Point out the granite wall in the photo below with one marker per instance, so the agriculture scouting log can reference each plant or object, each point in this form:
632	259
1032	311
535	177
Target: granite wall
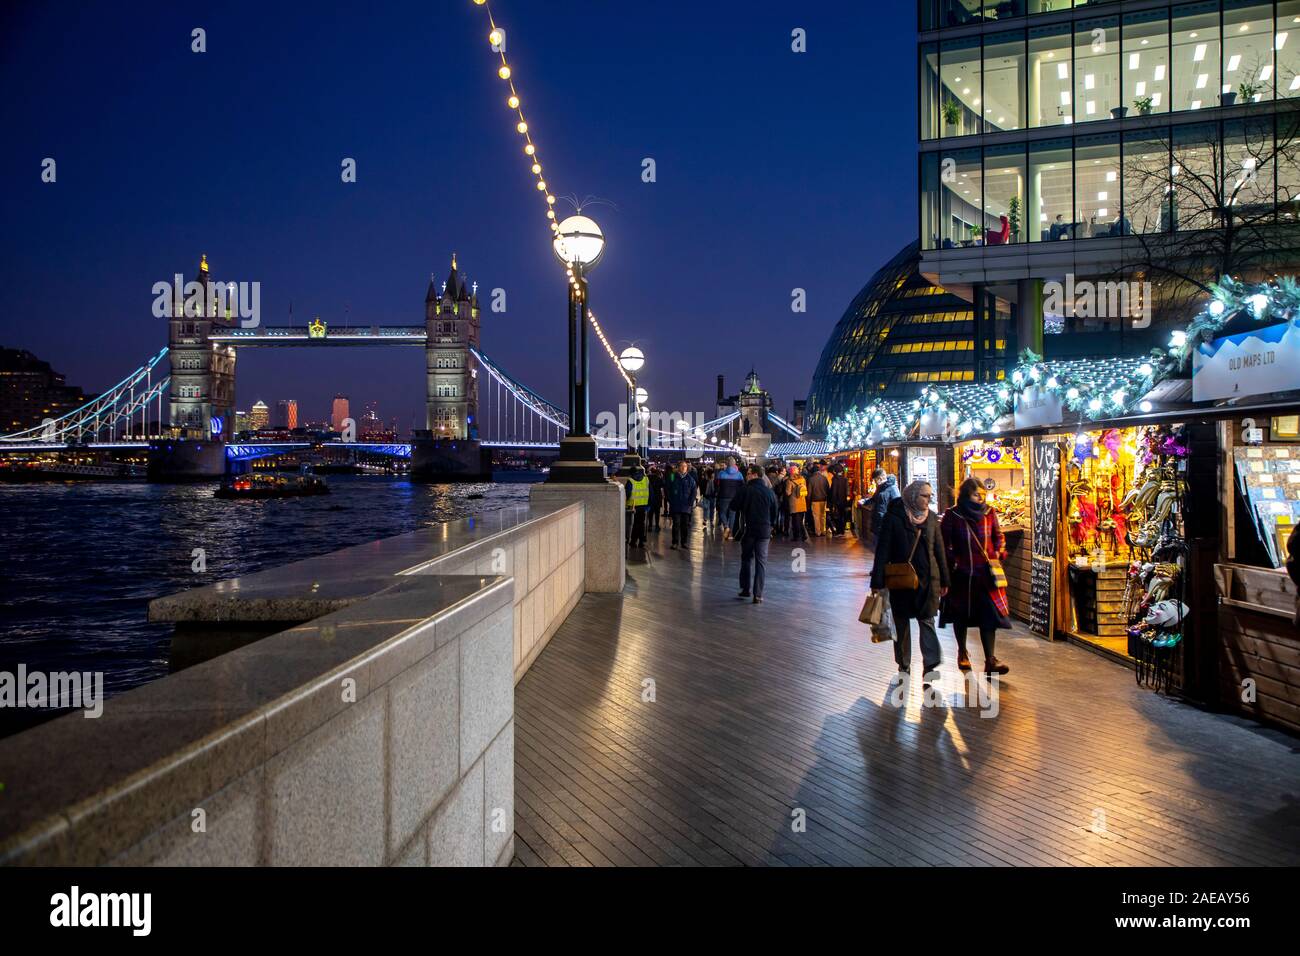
377	733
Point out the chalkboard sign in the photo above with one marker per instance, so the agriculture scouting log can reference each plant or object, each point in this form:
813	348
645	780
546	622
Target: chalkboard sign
1047	496
1041	582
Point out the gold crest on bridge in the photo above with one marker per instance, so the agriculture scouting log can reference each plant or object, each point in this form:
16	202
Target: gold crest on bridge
316	328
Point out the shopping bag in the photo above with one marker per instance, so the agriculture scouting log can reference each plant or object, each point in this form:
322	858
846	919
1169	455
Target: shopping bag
872	608
884	630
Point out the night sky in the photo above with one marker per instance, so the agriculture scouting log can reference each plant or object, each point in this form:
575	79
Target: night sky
775	170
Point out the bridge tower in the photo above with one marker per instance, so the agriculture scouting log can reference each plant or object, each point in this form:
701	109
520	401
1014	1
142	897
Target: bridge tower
203	375
202	391
448	448
452	328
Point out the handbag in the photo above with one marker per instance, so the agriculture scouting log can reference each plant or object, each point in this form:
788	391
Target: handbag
996	571
873	608
900	575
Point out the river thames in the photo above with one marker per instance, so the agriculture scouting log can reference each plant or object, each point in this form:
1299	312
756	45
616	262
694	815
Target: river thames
80	561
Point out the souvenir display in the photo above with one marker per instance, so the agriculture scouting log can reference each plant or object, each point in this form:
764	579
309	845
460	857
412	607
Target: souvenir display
1002	467
1157	575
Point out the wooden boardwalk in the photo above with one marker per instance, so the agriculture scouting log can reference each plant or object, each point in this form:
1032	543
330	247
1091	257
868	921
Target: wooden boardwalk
767	715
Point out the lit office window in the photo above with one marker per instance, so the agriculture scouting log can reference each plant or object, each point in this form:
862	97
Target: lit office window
1004	81
1144	62
959	65
1286	48
1195	53
1287	153
1051	191
1248	169
1194	171
1097	187
961	176
1146	181
1049	6
1051	91
1003	9
1096	68
1248	50
1004	194
930	89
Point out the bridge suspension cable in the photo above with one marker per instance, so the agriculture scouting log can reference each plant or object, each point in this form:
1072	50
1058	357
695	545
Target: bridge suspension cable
122	412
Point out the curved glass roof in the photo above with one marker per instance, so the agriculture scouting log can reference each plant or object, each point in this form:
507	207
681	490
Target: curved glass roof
899	333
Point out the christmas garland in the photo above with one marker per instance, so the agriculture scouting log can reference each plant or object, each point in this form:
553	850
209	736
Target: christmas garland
1094	389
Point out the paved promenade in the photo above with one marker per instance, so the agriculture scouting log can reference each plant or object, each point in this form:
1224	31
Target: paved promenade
768	716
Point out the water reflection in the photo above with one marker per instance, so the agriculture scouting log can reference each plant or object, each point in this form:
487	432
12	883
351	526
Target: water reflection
79	562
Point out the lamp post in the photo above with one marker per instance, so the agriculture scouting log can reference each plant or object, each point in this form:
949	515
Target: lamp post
579	245
631	359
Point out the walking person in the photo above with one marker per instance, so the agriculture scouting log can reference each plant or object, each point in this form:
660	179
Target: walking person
757	511
886	491
840	501
909	535
972	541
708	496
780	487
637	489
819	495
681	501
655	505
730	481
797	496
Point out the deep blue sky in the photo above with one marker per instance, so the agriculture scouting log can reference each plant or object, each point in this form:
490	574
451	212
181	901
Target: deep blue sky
775	170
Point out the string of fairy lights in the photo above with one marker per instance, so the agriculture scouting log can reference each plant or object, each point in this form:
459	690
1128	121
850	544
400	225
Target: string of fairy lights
496	38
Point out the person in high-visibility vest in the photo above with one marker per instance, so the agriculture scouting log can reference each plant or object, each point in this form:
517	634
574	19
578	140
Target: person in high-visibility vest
637	491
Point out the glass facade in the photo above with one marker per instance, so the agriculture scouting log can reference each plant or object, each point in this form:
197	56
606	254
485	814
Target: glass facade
898	331
1102	185
1183	57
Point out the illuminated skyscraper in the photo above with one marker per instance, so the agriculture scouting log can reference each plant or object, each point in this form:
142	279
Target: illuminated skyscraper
339	412
288	413
260	416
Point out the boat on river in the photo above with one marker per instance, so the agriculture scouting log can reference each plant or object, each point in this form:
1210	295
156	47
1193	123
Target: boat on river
260	487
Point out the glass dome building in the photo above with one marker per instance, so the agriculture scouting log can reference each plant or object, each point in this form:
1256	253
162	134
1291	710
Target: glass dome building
899	333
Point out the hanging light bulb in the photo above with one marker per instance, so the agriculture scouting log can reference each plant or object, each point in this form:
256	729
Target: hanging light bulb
513	102
1216	308
537	168
530	149
521	126
504	72
495	38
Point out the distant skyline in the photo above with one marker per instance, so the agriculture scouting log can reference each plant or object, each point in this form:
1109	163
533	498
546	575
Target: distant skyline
775	171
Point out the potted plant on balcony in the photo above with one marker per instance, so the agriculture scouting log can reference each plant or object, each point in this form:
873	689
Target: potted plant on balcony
1119	112
1143	105
1248	91
951	113
1013	217
1227	99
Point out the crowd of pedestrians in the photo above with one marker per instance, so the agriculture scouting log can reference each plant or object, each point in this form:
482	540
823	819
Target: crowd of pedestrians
947	567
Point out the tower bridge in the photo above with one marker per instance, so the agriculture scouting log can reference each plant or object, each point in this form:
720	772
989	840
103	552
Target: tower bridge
472	404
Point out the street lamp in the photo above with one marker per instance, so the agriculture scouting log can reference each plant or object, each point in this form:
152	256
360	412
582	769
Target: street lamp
632	359
578	245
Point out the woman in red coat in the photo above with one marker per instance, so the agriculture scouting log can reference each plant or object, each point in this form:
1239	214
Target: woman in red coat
971	537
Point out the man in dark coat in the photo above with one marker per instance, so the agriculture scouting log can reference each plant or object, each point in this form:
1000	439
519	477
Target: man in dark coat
886	491
839	502
656	505
910	533
757	511
681	503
